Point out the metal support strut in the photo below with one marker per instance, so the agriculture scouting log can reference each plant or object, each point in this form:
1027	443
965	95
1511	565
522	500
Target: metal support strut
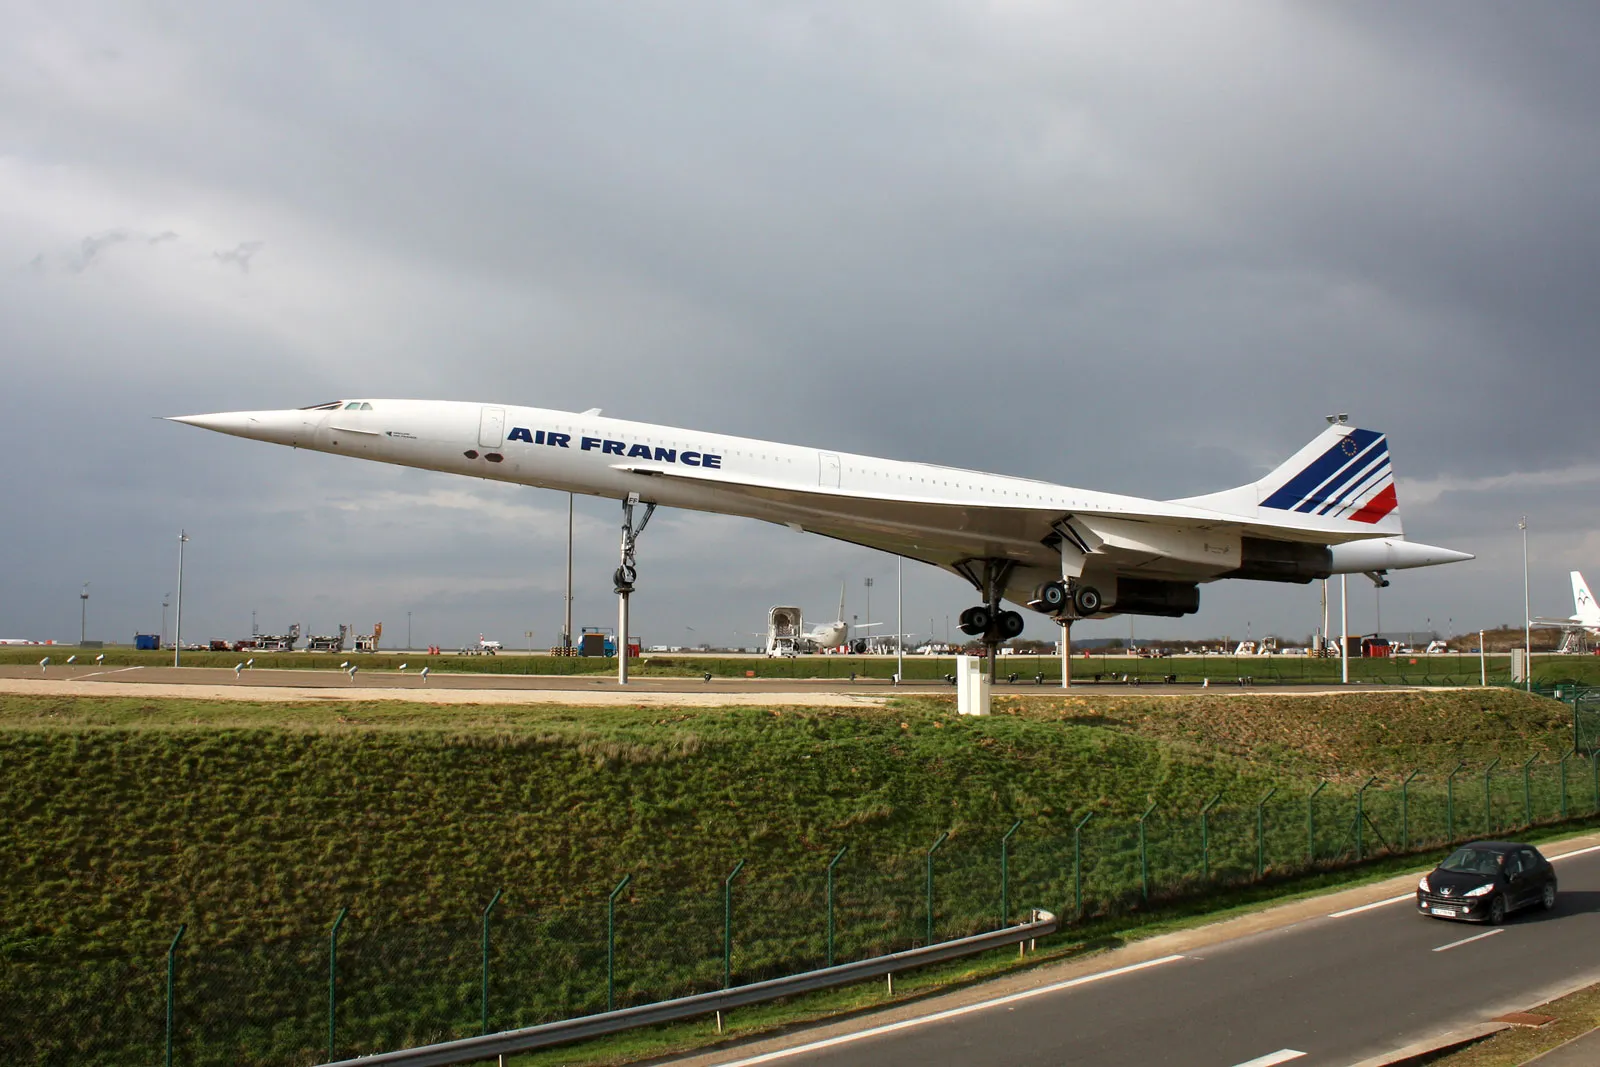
626	574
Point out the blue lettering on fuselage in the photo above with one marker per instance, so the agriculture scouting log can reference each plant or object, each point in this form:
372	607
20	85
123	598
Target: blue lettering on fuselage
608	447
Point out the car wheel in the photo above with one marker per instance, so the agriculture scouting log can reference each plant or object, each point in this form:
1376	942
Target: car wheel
1497	911
1548	900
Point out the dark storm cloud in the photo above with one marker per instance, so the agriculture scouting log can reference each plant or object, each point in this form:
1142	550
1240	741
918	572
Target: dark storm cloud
1131	248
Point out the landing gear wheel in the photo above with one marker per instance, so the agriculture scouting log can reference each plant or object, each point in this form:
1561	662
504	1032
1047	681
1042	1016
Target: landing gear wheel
1497	911
975	621
1548	900
1086	600
1050	598
1008	624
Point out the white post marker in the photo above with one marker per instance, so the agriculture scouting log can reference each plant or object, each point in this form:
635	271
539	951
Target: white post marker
1344	629
1483	662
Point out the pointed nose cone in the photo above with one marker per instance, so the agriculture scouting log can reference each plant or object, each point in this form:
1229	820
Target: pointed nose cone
278	427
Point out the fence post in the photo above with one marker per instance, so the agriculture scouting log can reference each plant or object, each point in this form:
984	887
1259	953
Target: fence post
611	942
172	962
1488	810
1261	823
1594	771
484	1001
1564	759
1205	838
1311	823
333	975
1144	858
1527	792
1405	810
1005	874
727	925
934	848
1077	866
1361	816
1450	803
831	865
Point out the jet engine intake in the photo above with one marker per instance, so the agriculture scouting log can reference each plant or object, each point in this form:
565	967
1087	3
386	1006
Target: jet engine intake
1149	596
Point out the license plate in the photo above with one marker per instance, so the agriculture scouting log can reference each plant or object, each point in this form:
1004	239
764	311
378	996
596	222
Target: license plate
1449	913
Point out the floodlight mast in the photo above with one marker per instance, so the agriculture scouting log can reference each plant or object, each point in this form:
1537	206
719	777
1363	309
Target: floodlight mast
1527	611
177	624
83	615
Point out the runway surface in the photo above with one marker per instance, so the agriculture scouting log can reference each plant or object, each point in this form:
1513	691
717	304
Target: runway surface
333	684
1342	986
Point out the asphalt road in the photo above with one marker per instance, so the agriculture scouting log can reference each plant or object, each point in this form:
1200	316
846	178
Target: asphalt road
1332	990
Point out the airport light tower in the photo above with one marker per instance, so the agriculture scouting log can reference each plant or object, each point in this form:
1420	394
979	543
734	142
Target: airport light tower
1527	611
177	625
83	614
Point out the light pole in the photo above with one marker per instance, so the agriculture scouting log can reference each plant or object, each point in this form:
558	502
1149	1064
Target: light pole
899	622
408	631
166	598
869	610
177	623
83	614
566	625
1527	613
1344	629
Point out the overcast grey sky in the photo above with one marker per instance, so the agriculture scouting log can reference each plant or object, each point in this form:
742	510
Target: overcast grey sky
1142	248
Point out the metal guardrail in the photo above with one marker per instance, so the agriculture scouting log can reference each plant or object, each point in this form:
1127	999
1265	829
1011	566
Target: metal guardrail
488	1046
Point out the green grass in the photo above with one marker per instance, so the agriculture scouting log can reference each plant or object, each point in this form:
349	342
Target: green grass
1220	670
254	823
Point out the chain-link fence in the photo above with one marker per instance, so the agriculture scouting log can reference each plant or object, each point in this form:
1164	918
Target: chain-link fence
373	986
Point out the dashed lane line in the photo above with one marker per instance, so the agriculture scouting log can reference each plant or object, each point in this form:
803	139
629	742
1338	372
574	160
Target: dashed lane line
1468	940
1283	1055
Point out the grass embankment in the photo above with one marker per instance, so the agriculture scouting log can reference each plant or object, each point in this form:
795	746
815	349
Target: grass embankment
1220	670
255	823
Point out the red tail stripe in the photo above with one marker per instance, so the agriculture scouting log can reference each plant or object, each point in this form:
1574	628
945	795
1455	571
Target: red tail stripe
1378	506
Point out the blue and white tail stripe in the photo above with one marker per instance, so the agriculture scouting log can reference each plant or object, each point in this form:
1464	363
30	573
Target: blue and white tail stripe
1351	479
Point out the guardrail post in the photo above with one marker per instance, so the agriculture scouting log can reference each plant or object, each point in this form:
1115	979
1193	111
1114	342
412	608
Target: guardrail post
934	848
1527	792
1261	825
1564	759
1311	822
1144	858
611	942
727	924
1450	803
1405	810
1205	837
333	979
484	1001
172	964
1361	816
1488	810
831	865
1005	874
1077	866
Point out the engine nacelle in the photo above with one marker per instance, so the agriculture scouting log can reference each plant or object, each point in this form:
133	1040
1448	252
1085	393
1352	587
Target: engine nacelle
1265	560
1148	596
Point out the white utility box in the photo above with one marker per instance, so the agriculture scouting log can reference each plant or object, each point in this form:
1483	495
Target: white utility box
972	685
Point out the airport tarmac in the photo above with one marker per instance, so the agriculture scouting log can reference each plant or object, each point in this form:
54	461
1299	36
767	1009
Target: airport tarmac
220	683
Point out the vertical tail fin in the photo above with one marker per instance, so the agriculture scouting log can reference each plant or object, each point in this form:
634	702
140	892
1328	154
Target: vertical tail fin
1343	476
1588	612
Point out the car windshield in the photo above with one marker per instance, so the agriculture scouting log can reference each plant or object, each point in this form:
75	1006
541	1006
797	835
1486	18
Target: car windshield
1473	861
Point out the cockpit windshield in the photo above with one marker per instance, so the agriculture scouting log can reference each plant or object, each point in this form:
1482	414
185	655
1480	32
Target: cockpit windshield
358	405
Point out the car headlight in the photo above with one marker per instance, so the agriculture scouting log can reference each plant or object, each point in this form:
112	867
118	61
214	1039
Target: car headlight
1481	891
1424	886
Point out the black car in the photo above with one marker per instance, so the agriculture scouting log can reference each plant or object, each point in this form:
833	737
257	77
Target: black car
1487	880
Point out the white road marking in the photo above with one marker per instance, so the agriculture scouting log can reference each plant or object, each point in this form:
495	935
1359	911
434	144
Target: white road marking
1575	852
1283	1055
844	1039
1468	940
96	674
1375	904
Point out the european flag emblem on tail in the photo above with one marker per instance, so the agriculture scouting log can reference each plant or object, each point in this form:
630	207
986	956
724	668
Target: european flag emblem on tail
1351	480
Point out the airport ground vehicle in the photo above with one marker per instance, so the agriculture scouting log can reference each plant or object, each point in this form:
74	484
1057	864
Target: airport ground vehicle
1484	881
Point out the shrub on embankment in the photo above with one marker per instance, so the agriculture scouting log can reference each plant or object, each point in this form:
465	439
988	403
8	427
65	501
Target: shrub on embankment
254	823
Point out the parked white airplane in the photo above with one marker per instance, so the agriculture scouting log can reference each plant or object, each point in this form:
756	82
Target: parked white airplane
1067	552
1586	617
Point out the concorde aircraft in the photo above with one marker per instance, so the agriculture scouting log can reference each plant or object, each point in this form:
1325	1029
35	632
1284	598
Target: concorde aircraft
1068	553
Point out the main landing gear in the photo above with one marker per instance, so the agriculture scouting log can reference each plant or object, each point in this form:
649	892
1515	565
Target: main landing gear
989	620
1059	599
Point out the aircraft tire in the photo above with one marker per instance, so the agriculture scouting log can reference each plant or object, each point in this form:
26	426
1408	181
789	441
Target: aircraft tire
1050	598
1086	599
975	621
1009	624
